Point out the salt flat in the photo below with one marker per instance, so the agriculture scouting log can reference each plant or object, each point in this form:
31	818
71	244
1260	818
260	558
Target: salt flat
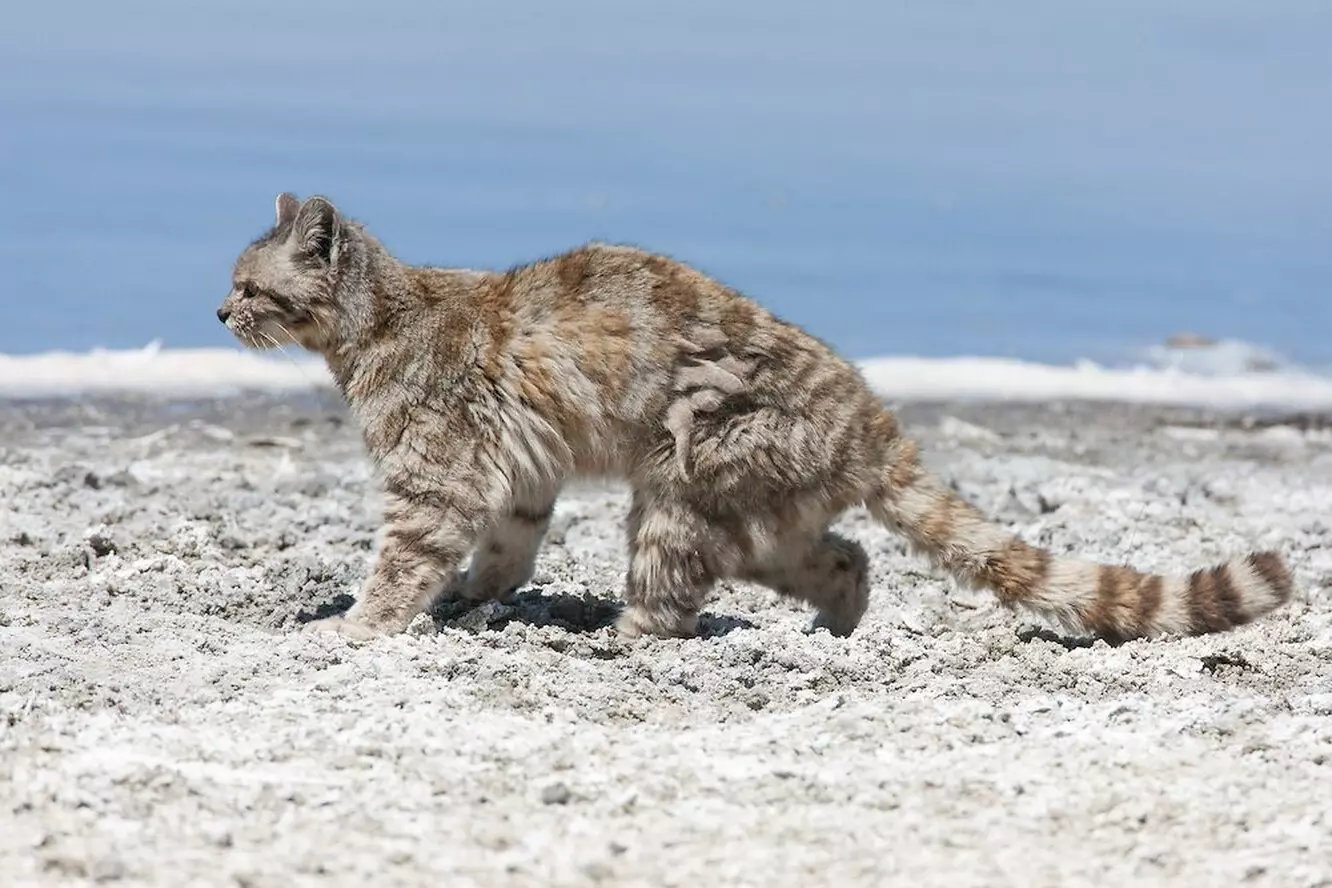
162	722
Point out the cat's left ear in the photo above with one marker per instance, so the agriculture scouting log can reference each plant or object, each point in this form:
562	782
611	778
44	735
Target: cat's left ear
316	229
287	207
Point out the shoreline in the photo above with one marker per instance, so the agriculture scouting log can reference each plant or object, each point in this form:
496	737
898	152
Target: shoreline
1223	378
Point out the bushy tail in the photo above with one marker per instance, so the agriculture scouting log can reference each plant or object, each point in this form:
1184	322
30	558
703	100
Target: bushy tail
1112	602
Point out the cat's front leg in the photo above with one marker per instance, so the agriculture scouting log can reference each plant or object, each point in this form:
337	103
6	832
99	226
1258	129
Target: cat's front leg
428	531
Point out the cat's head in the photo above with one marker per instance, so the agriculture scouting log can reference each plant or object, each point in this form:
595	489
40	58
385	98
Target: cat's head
284	286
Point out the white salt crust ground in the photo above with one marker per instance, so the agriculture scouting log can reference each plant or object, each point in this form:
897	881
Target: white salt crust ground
161	722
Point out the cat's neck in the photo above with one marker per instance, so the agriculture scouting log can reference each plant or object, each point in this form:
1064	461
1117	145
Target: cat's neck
383	299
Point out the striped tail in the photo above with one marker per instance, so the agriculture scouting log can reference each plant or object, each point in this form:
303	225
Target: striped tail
1112	602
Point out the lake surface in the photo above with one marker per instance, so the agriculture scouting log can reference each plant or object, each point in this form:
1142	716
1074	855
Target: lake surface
1037	178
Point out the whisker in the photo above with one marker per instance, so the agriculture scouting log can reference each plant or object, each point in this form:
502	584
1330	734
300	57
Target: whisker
281	347
319	322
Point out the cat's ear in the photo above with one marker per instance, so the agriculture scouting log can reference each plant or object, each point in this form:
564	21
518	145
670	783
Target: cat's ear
316	229
287	207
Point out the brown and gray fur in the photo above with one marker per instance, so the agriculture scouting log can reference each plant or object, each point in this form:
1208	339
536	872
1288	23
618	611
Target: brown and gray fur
479	394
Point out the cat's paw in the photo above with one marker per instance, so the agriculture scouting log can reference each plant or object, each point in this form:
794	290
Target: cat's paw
466	586
352	629
639	622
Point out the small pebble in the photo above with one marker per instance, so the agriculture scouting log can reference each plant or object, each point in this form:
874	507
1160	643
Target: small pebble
556	794
101	543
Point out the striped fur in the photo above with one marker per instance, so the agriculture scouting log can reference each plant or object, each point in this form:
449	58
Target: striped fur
479	394
1109	601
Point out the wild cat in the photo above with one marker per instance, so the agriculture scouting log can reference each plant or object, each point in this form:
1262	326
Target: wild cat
479	394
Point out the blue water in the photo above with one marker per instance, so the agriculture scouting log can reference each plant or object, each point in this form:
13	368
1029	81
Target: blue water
1036	178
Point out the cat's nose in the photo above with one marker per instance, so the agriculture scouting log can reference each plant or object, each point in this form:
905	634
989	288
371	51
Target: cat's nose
223	314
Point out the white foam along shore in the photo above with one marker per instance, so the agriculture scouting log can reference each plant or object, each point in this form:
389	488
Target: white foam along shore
221	371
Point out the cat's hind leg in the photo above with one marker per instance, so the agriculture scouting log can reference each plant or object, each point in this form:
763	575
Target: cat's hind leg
829	571
676	555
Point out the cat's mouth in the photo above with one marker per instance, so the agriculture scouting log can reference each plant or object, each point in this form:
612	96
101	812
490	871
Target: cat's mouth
259	333
262	327
271	333
276	334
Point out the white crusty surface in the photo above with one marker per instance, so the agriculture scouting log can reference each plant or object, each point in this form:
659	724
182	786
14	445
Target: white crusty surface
162	724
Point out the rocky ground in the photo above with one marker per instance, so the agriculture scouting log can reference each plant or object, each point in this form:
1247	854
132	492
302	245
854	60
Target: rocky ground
162	723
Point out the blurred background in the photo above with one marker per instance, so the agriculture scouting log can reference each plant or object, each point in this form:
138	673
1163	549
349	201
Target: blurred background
1042	179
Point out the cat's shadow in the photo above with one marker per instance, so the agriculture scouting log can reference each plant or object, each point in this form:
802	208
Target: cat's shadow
335	607
582	614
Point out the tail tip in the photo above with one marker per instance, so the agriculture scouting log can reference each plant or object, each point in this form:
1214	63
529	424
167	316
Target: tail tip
1272	569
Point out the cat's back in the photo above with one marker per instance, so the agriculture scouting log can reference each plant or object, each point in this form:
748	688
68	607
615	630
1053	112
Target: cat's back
604	297
619	277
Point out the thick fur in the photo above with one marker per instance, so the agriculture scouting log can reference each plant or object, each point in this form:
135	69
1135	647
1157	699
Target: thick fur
479	394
